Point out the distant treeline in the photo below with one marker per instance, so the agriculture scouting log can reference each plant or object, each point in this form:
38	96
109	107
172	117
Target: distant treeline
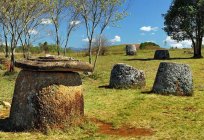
40	48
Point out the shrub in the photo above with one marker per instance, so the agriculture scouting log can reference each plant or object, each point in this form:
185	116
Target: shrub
149	45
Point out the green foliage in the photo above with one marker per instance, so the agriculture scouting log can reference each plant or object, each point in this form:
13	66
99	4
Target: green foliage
185	20
149	45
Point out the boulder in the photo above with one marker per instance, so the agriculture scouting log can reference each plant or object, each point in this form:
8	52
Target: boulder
173	78
161	54
131	50
125	76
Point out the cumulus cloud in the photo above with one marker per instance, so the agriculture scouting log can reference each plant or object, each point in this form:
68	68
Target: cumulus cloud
75	22
46	21
33	32
175	44
116	39
148	28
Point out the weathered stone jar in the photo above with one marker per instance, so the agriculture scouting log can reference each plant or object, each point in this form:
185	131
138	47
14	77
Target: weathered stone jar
48	93
174	79
125	76
161	54
131	50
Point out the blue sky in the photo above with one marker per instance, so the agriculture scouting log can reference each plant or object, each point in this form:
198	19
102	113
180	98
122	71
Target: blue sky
144	23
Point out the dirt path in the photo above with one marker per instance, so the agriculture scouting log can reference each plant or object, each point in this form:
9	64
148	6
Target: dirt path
125	131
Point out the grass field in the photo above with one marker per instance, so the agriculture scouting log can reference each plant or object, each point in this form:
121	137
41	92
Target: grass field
169	117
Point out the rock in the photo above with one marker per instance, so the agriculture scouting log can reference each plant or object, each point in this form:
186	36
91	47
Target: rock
37	102
161	54
125	76
1	106
131	50
173	78
5	104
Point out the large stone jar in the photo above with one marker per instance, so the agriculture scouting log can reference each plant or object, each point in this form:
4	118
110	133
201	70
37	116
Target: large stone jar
173	78
48	93
131	50
161	54
125	76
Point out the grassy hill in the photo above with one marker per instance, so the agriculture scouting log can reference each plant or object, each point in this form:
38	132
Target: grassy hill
168	117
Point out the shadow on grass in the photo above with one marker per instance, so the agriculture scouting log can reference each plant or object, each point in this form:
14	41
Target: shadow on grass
152	59
148	92
105	86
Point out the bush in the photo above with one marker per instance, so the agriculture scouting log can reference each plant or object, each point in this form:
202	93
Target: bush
149	45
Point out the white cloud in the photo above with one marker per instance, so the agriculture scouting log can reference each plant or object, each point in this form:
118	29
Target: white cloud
75	22
33	32
87	40
148	28
116	39
175	44
46	21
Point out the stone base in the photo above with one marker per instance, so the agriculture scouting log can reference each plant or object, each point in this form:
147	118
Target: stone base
173	78
37	103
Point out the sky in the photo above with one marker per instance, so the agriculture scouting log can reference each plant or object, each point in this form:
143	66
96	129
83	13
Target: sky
144	23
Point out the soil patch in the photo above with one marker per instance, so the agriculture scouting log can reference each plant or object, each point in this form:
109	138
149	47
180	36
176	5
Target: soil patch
125	131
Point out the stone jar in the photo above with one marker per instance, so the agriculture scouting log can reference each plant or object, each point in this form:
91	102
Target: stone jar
48	94
161	54
131	50
173	78
125	76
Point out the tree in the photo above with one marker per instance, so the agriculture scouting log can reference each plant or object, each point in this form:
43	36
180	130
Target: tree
110	14
15	16
56	13
99	14
185	20
73	20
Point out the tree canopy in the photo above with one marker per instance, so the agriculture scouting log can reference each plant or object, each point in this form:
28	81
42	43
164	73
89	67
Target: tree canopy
185	21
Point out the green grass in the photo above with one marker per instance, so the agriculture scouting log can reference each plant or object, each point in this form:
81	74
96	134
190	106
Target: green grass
170	117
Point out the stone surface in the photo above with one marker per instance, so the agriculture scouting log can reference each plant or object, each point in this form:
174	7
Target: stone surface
131	50
54	64
125	76
35	104
161	54
5	104
173	78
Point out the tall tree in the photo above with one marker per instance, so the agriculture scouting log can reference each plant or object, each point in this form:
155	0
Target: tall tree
185	20
111	13
56	13
98	14
73	21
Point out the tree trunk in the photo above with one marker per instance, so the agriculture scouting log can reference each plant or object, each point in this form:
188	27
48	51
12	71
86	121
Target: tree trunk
24	51
65	48
11	69
197	48
90	53
58	46
97	54
6	50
